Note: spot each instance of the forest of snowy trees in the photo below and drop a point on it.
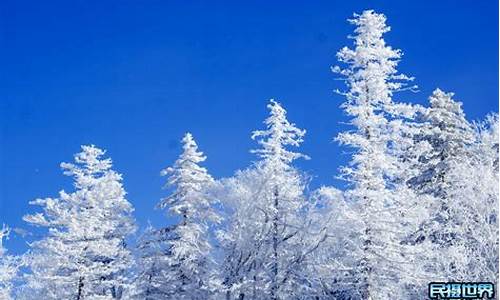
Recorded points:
(421, 206)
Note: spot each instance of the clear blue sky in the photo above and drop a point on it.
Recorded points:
(133, 76)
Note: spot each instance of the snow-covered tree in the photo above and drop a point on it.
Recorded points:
(179, 265)
(471, 199)
(478, 203)
(9, 266)
(269, 240)
(447, 138)
(448, 133)
(84, 254)
(385, 216)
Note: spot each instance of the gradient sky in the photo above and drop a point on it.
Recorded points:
(133, 76)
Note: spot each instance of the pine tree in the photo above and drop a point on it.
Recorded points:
(276, 161)
(384, 215)
(448, 133)
(84, 254)
(478, 203)
(270, 241)
(472, 208)
(188, 268)
(446, 137)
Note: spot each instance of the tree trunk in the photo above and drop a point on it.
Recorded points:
(366, 265)
(79, 296)
(274, 287)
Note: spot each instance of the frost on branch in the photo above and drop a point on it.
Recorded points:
(9, 267)
(279, 134)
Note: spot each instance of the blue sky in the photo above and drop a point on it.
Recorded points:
(133, 76)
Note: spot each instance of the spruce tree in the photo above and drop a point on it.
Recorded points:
(84, 254)
(188, 270)
(384, 215)
(269, 241)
